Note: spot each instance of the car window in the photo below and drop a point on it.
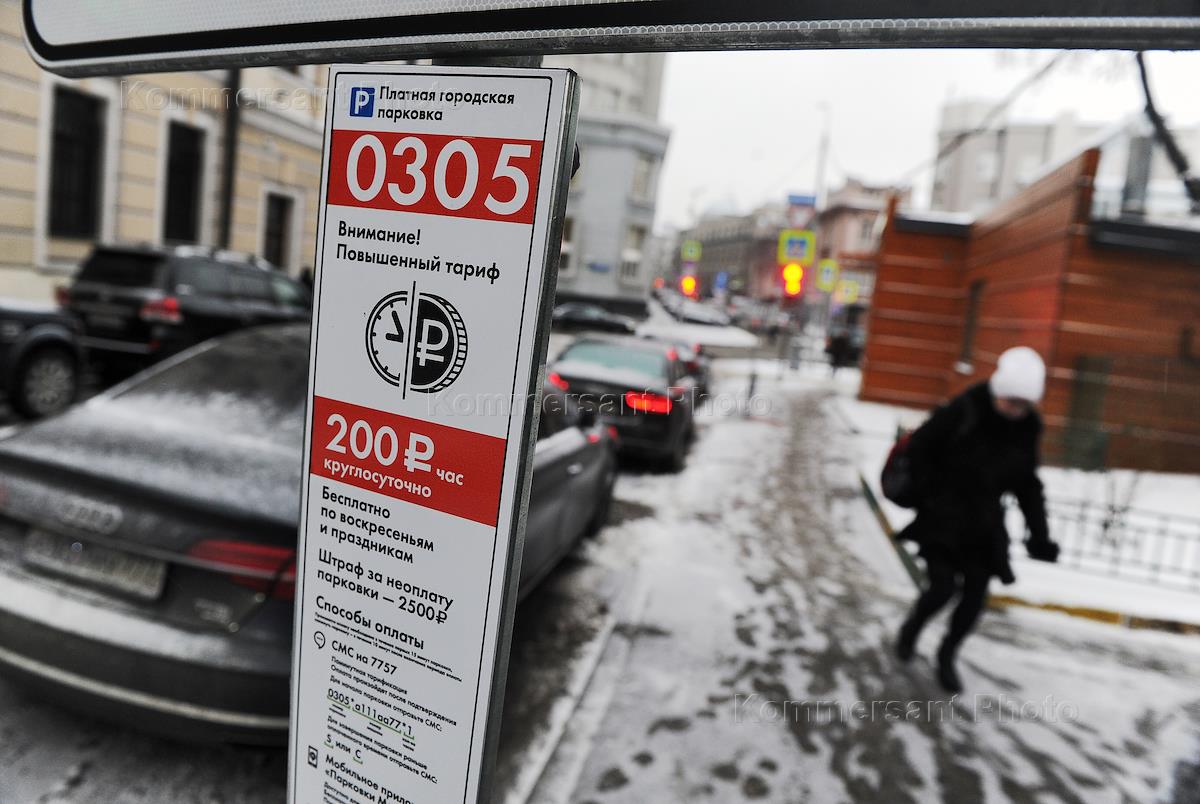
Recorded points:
(123, 268)
(201, 278)
(251, 285)
(617, 356)
(290, 294)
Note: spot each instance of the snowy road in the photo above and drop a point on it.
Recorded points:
(726, 639)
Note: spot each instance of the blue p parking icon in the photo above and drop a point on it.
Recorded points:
(362, 101)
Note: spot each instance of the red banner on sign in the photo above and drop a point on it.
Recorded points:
(464, 177)
(444, 468)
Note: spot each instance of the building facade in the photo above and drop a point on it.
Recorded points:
(140, 158)
(848, 229)
(739, 251)
(606, 256)
(990, 165)
(1111, 304)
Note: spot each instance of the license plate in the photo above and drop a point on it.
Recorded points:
(100, 566)
(100, 321)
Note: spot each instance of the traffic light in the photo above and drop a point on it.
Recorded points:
(793, 279)
(687, 285)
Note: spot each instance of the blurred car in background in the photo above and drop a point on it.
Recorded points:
(639, 386)
(139, 304)
(579, 317)
(691, 355)
(690, 311)
(148, 537)
(41, 363)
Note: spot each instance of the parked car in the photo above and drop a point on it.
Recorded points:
(575, 317)
(148, 536)
(690, 311)
(695, 362)
(139, 304)
(639, 386)
(40, 358)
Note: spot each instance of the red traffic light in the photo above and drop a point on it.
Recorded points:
(793, 279)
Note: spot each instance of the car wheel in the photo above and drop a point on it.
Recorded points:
(678, 457)
(46, 382)
(600, 515)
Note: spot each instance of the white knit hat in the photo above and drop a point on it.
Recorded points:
(1020, 374)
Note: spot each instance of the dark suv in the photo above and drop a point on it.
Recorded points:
(139, 304)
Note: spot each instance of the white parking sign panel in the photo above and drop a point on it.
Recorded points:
(441, 189)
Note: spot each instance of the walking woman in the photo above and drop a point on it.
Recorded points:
(970, 452)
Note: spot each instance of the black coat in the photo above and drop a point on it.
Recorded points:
(965, 457)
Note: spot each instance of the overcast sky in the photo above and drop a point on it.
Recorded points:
(745, 126)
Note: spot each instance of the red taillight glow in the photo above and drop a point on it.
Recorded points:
(62, 295)
(672, 354)
(261, 567)
(648, 402)
(612, 433)
(593, 438)
(162, 311)
(557, 381)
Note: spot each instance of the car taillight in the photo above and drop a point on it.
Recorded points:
(612, 433)
(162, 311)
(593, 438)
(557, 381)
(261, 567)
(672, 354)
(648, 402)
(62, 295)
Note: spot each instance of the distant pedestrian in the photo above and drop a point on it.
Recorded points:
(838, 346)
(971, 451)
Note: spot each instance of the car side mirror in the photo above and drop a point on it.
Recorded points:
(587, 418)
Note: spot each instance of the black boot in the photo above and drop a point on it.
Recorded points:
(946, 674)
(906, 642)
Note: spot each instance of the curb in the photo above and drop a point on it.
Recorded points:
(1001, 602)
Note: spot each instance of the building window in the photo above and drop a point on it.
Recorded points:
(277, 230)
(631, 256)
(970, 323)
(567, 250)
(76, 160)
(185, 159)
(866, 231)
(642, 188)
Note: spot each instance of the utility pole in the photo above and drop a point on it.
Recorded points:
(822, 157)
(819, 193)
(233, 114)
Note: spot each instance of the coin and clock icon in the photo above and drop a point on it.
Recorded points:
(416, 341)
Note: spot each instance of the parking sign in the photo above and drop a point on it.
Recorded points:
(440, 194)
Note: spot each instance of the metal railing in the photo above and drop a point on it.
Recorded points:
(1127, 543)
